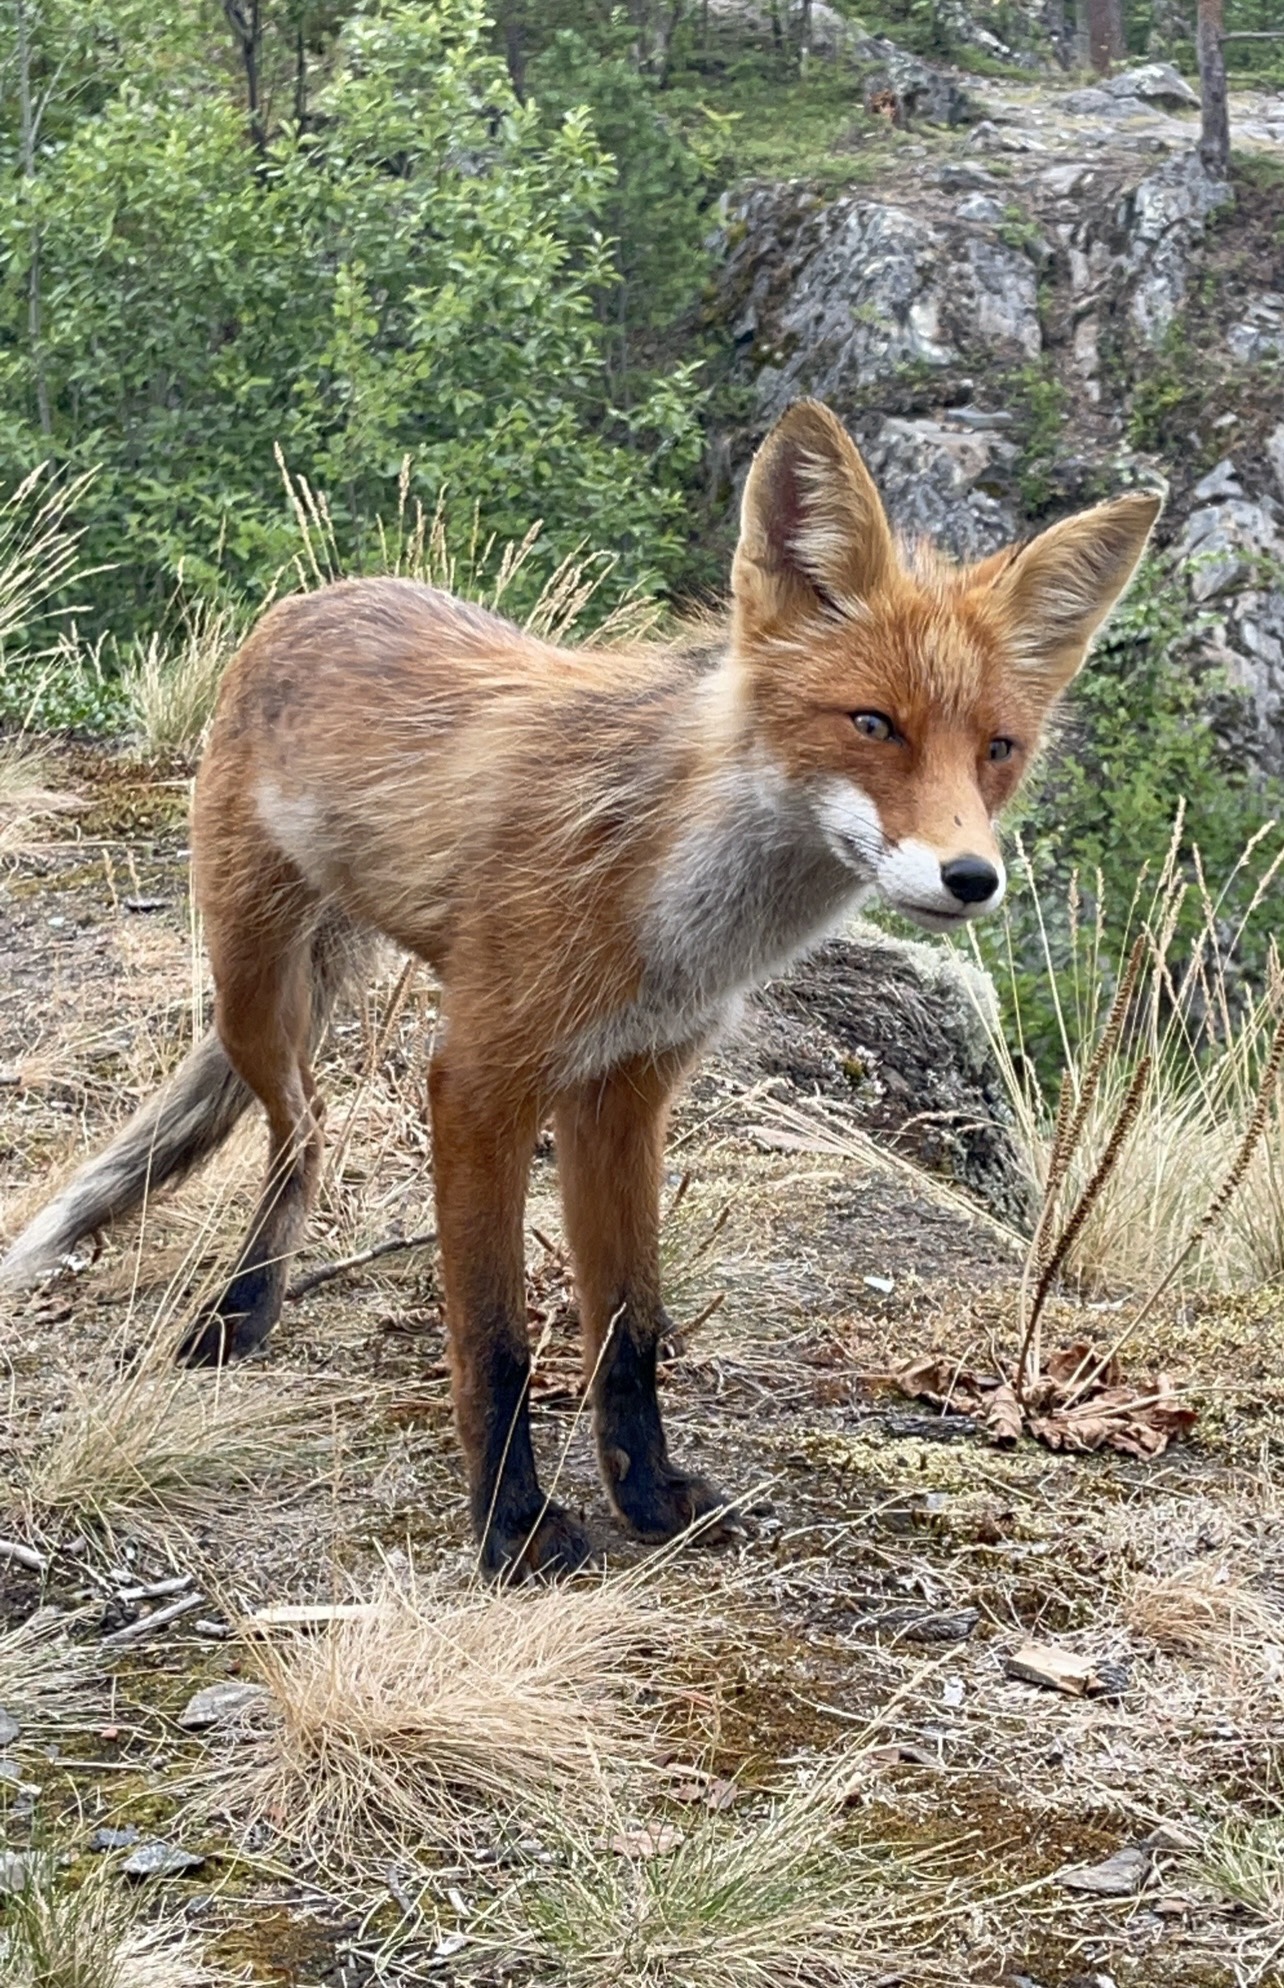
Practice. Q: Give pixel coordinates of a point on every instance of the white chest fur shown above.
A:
(750, 883)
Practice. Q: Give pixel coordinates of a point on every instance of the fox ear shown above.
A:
(812, 527)
(1054, 593)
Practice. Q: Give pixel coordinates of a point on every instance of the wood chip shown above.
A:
(305, 1615)
(1062, 1670)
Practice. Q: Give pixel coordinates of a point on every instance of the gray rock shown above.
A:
(114, 1839)
(1259, 334)
(1118, 1877)
(831, 299)
(1164, 218)
(1275, 455)
(221, 1705)
(1087, 103)
(1219, 482)
(1153, 83)
(1222, 543)
(16, 1871)
(980, 207)
(893, 1029)
(158, 1859)
(9, 1727)
(918, 92)
(930, 472)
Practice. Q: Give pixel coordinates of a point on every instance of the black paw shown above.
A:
(658, 1501)
(240, 1321)
(547, 1545)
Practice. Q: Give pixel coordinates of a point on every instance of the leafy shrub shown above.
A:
(416, 269)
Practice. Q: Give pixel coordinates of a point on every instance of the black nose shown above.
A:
(970, 879)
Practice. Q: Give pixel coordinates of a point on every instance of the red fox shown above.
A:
(598, 852)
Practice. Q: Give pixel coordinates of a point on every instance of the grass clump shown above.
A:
(162, 1445)
(90, 1935)
(1162, 1154)
(170, 687)
(1245, 1861)
(26, 797)
(757, 1901)
(1205, 1612)
(43, 1677)
(395, 1727)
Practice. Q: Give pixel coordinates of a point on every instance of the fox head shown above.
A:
(908, 697)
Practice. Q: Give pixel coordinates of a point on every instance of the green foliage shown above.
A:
(653, 211)
(1134, 746)
(1038, 400)
(418, 269)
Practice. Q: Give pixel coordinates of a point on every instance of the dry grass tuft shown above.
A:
(91, 1936)
(1204, 1611)
(1173, 1080)
(743, 1901)
(159, 1445)
(39, 547)
(171, 687)
(1245, 1861)
(419, 545)
(26, 797)
(399, 1726)
(43, 1677)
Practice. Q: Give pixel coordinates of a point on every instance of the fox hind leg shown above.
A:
(263, 1013)
(610, 1148)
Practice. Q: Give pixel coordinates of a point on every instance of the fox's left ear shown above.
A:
(1054, 594)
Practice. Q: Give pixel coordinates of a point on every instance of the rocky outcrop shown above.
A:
(989, 320)
(897, 1032)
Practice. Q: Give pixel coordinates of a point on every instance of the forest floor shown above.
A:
(890, 1564)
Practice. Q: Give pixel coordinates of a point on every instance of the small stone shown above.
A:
(9, 1727)
(1219, 482)
(159, 1859)
(15, 1872)
(140, 904)
(220, 1705)
(1118, 1877)
(1168, 1836)
(885, 1285)
(114, 1839)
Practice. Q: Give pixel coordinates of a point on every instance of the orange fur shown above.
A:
(597, 851)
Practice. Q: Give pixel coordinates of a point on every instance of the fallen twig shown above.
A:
(325, 1273)
(24, 1556)
(133, 1632)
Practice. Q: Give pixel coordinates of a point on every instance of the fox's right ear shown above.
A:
(812, 528)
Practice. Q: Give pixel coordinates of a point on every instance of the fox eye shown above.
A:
(1001, 748)
(873, 725)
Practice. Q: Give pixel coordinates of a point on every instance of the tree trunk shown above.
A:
(1214, 139)
(27, 142)
(1100, 20)
(245, 20)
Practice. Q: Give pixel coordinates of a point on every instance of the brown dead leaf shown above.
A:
(1003, 1420)
(641, 1844)
(710, 1791)
(1056, 1407)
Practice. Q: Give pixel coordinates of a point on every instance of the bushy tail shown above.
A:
(181, 1126)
